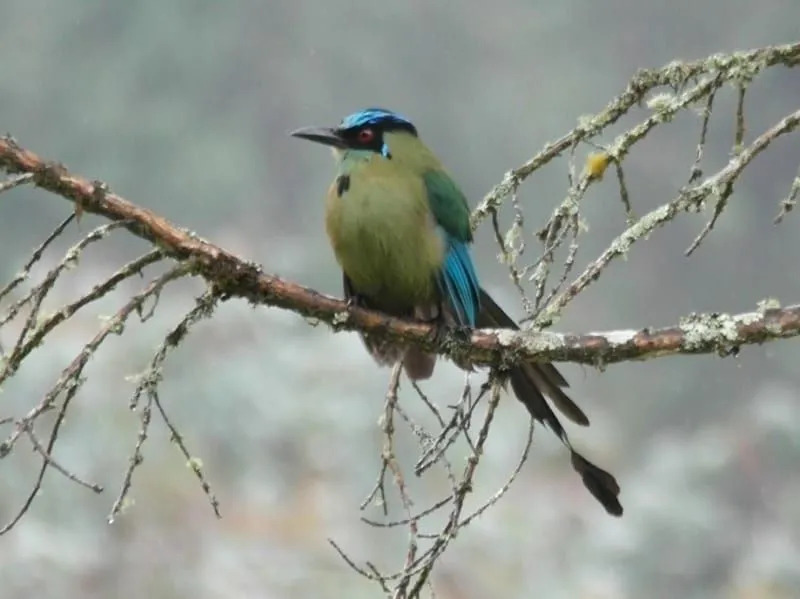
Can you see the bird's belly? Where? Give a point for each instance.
(391, 253)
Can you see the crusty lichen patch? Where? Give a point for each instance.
(533, 342)
(702, 331)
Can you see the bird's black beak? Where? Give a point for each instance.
(322, 135)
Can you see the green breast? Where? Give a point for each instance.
(383, 235)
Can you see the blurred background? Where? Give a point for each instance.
(185, 107)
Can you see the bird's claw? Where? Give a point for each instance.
(442, 331)
(354, 301)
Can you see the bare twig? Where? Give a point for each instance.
(696, 171)
(36, 256)
(507, 485)
(730, 67)
(149, 380)
(37, 295)
(136, 459)
(689, 197)
(624, 196)
(35, 338)
(148, 384)
(52, 462)
(425, 566)
(414, 575)
(739, 137)
(13, 182)
(71, 380)
(788, 204)
(719, 206)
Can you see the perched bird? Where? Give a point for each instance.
(399, 227)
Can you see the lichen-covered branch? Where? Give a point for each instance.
(232, 276)
(735, 66)
(717, 186)
(69, 383)
(716, 333)
(662, 93)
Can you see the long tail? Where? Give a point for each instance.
(530, 383)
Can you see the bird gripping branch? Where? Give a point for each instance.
(399, 227)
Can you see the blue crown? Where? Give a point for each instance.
(376, 116)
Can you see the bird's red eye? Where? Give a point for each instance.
(365, 136)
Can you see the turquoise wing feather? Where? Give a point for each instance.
(457, 279)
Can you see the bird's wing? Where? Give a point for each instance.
(457, 280)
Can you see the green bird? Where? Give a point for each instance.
(399, 227)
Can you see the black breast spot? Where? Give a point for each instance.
(342, 184)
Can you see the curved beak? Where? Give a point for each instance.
(322, 135)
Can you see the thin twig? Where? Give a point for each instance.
(719, 206)
(46, 325)
(15, 181)
(688, 198)
(788, 204)
(674, 74)
(55, 464)
(71, 380)
(136, 459)
(193, 463)
(37, 254)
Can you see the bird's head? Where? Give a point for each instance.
(366, 130)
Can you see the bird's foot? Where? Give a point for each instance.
(444, 332)
(355, 301)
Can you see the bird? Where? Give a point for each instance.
(400, 230)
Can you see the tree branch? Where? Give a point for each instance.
(736, 66)
(232, 276)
